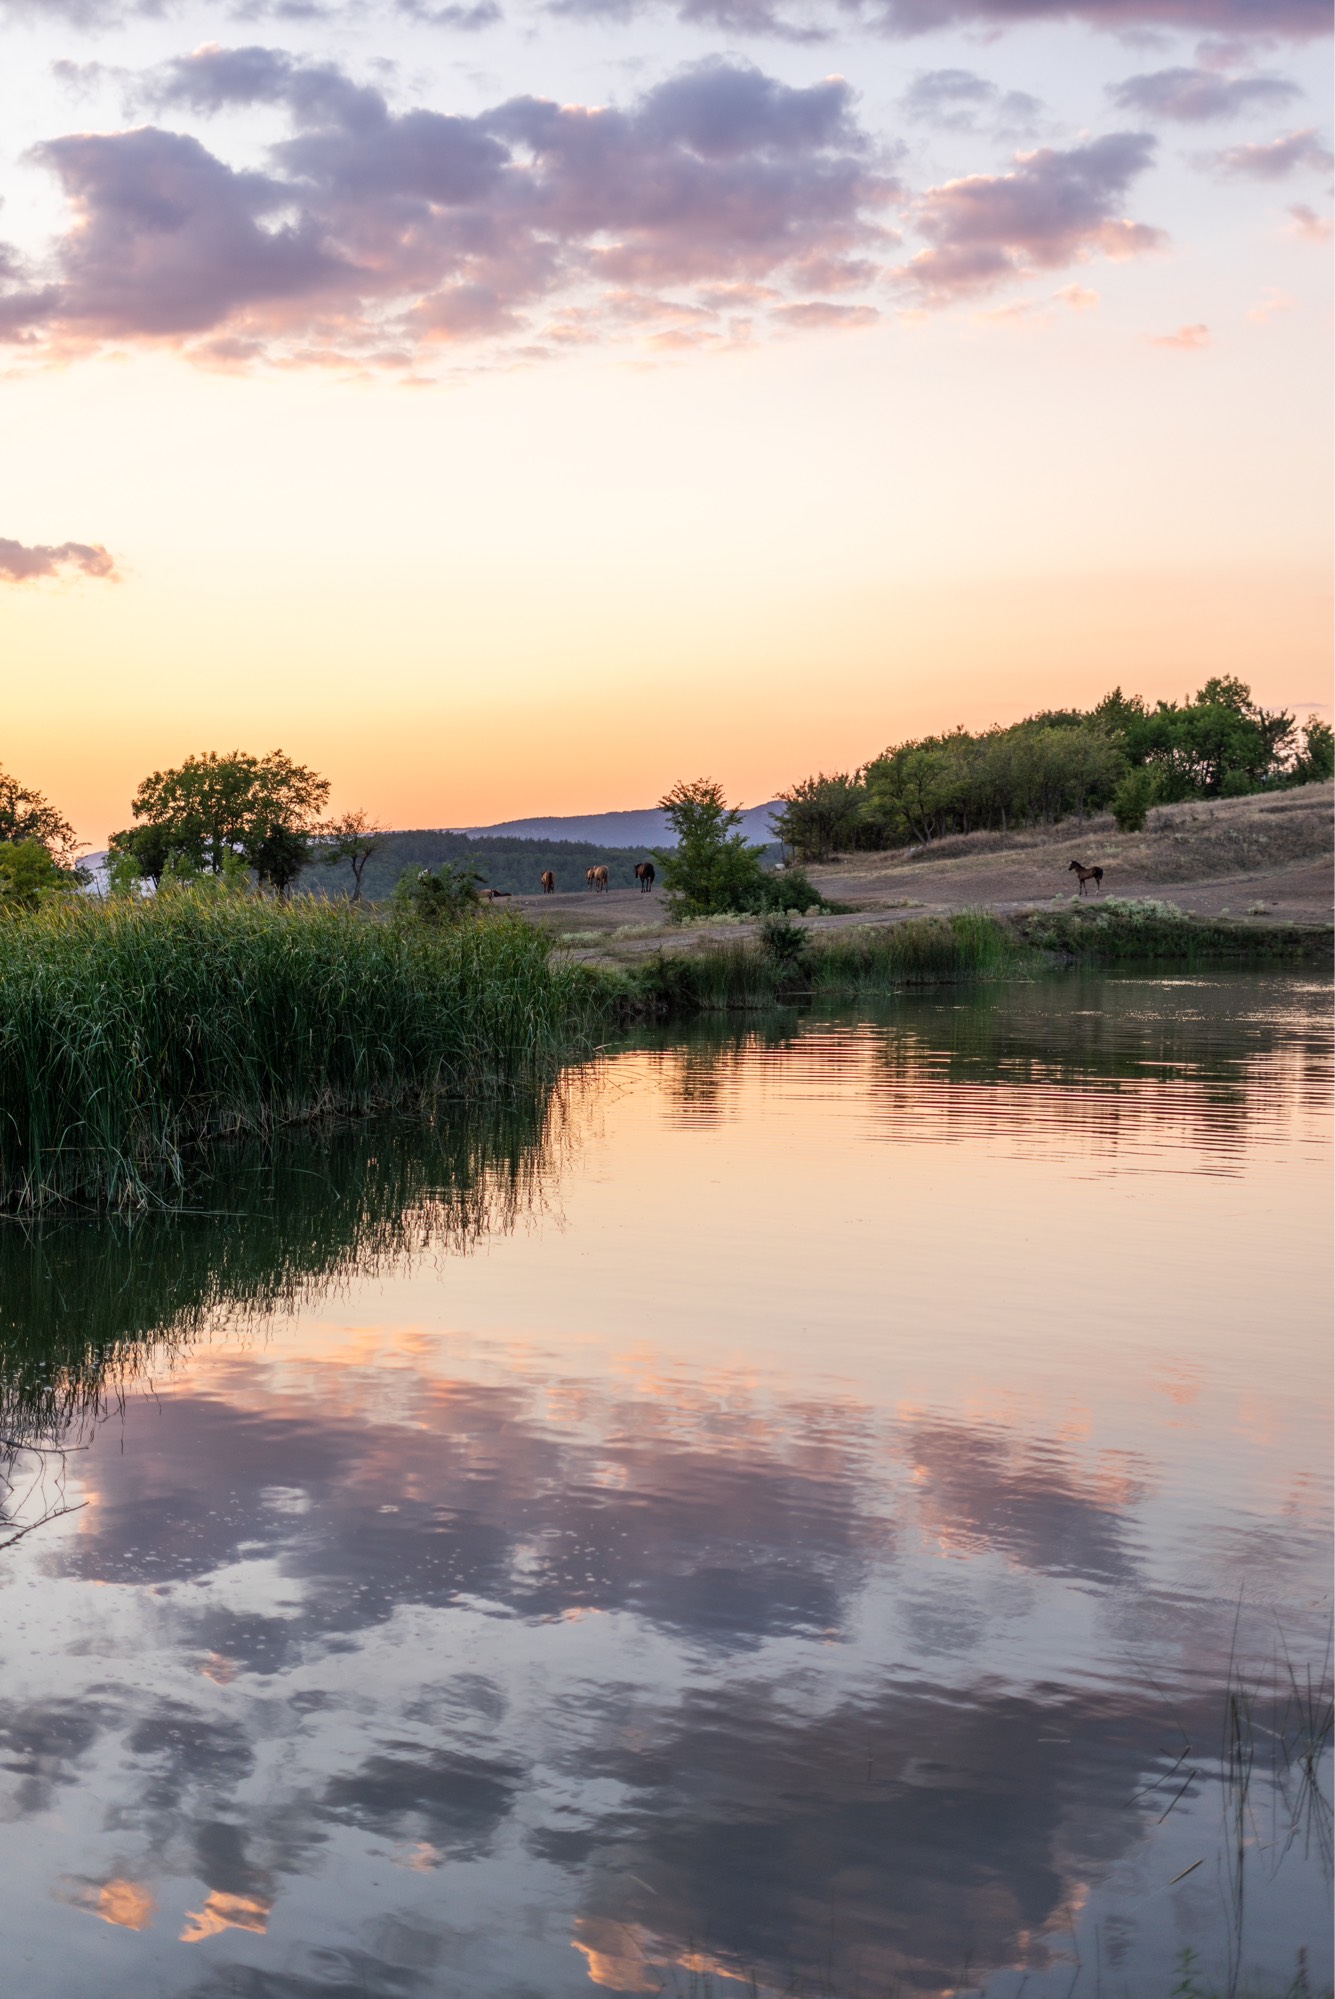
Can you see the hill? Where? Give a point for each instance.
(648, 828)
(516, 865)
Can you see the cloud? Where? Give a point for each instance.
(1053, 209)
(1197, 96)
(814, 19)
(1307, 225)
(956, 99)
(23, 564)
(1276, 159)
(1187, 339)
(378, 235)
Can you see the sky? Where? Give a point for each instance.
(514, 406)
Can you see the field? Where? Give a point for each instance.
(1265, 859)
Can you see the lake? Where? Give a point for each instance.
(819, 1504)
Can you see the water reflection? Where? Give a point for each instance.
(1046, 1063)
(762, 1599)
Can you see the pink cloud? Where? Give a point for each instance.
(1052, 209)
(21, 563)
(1187, 339)
(1307, 225)
(373, 232)
(1276, 159)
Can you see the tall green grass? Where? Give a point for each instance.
(1111, 931)
(132, 1032)
(743, 972)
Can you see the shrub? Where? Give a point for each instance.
(784, 944)
(436, 901)
(1132, 800)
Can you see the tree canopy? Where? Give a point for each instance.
(26, 815)
(1055, 765)
(265, 809)
(713, 870)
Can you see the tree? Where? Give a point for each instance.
(712, 870)
(1315, 762)
(1132, 800)
(27, 815)
(354, 838)
(29, 876)
(212, 805)
(820, 815)
(280, 857)
(146, 851)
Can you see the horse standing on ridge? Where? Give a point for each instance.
(644, 875)
(599, 877)
(1084, 874)
(548, 882)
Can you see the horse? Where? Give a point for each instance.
(599, 877)
(588, 879)
(644, 875)
(548, 882)
(1085, 874)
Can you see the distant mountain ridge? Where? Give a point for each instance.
(646, 828)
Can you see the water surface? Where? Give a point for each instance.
(793, 1512)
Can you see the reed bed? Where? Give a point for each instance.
(131, 1033)
(787, 963)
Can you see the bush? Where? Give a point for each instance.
(784, 943)
(1133, 799)
(436, 901)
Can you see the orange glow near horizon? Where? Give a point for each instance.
(558, 588)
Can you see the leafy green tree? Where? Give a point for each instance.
(1315, 763)
(1133, 799)
(29, 876)
(212, 805)
(820, 815)
(280, 857)
(712, 870)
(355, 839)
(143, 853)
(26, 815)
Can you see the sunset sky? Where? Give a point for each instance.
(510, 407)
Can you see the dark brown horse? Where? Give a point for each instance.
(644, 875)
(548, 882)
(1085, 874)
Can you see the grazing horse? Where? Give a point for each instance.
(1085, 874)
(644, 875)
(548, 882)
(599, 877)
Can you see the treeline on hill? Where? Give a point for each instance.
(504, 862)
(1123, 754)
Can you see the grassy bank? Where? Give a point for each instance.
(132, 1032)
(786, 962)
(1110, 931)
